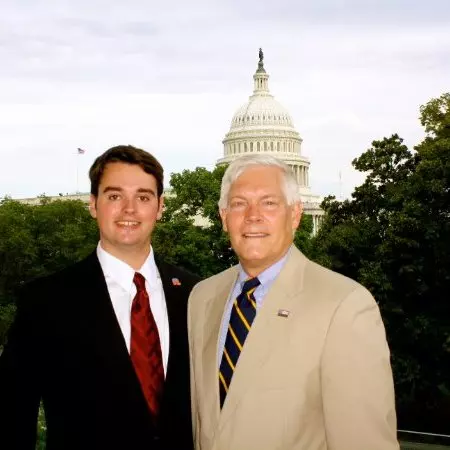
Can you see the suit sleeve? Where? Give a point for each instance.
(19, 385)
(357, 385)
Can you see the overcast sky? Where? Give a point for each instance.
(168, 77)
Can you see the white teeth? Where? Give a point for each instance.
(128, 223)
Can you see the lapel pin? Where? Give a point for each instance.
(283, 313)
(176, 282)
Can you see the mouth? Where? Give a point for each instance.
(254, 235)
(128, 223)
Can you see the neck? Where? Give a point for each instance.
(134, 257)
(254, 268)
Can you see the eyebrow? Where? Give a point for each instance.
(264, 197)
(119, 189)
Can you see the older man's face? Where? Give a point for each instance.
(258, 219)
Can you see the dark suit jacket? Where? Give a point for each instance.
(66, 348)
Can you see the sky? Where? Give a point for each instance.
(168, 76)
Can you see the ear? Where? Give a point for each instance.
(223, 216)
(93, 206)
(296, 211)
(160, 208)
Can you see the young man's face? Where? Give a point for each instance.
(126, 208)
(258, 219)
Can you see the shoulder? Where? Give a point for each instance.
(328, 286)
(211, 291)
(45, 288)
(180, 274)
(215, 282)
(316, 273)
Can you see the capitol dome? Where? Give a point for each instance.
(263, 125)
(261, 111)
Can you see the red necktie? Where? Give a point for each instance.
(145, 347)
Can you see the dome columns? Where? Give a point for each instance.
(261, 84)
(301, 174)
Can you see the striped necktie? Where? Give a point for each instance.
(241, 319)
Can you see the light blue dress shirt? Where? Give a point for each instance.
(266, 279)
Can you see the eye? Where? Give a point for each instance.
(144, 198)
(270, 203)
(113, 197)
(237, 204)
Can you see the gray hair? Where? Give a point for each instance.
(241, 164)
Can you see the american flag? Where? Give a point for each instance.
(81, 151)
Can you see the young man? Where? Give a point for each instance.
(104, 342)
(285, 354)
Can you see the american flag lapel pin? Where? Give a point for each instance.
(283, 313)
(176, 282)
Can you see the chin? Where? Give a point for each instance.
(125, 243)
(253, 256)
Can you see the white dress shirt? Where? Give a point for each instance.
(119, 280)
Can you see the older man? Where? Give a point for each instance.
(285, 354)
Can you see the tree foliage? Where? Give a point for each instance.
(393, 236)
(39, 240)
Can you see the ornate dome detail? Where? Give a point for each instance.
(262, 124)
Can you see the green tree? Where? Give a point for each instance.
(393, 236)
(179, 238)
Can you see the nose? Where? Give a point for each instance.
(129, 205)
(252, 213)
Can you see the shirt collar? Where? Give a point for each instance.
(267, 275)
(123, 274)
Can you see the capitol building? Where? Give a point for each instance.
(264, 125)
(260, 125)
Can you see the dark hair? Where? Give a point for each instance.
(129, 155)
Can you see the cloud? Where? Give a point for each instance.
(169, 78)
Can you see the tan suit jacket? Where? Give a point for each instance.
(319, 379)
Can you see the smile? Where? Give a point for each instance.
(255, 235)
(127, 223)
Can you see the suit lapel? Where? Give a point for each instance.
(112, 362)
(109, 339)
(172, 295)
(213, 320)
(268, 332)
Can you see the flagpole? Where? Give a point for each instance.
(80, 152)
